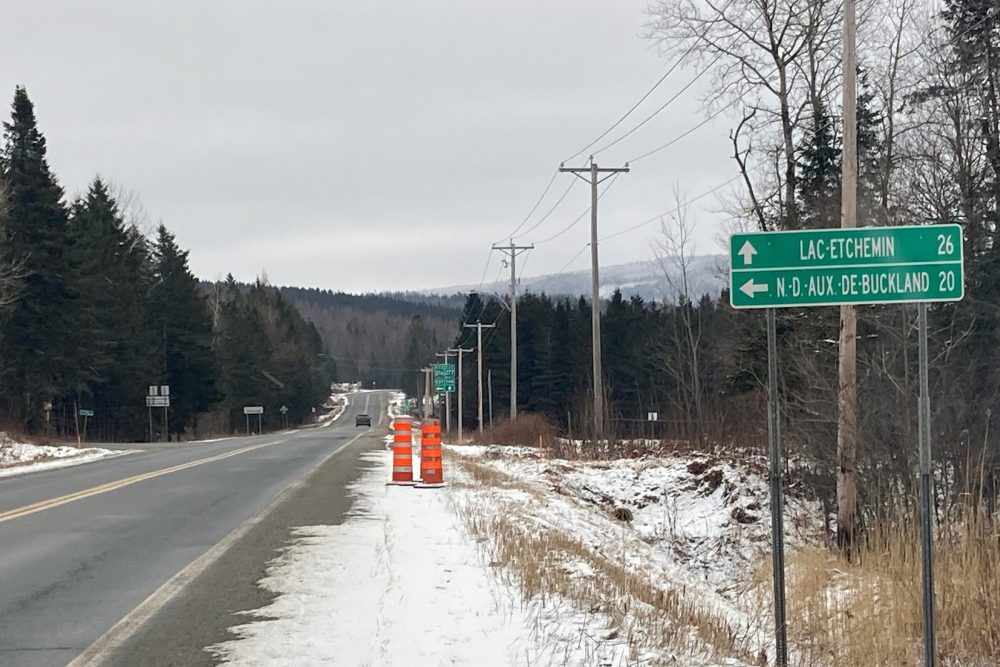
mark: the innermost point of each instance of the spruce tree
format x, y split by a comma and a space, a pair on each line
116, 356
182, 328
39, 356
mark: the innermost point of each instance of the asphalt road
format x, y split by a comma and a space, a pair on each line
85, 549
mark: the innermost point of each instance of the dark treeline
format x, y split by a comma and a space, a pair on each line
92, 313
379, 340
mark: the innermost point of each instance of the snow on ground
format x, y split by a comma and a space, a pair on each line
18, 458
398, 583
691, 526
526, 560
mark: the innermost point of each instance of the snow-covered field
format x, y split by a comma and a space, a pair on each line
525, 560
17, 458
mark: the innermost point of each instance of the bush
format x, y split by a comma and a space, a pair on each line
529, 430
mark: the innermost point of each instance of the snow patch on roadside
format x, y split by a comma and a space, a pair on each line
704, 513
398, 583
19, 458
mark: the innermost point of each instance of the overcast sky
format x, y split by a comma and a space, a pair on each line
359, 144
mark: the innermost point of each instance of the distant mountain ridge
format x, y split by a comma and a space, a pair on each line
707, 274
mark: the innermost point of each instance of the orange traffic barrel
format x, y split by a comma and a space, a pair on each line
402, 450
430, 454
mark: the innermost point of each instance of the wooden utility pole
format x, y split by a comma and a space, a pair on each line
447, 396
428, 397
512, 251
847, 386
479, 326
460, 352
593, 177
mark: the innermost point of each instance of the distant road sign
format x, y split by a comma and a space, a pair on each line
86, 413
830, 267
283, 409
157, 401
444, 377
253, 410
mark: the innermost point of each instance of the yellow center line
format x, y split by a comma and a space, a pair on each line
120, 484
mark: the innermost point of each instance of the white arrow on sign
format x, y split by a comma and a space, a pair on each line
750, 288
747, 252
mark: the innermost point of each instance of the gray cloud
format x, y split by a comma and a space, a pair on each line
343, 144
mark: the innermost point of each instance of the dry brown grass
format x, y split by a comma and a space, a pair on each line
869, 612
648, 615
529, 429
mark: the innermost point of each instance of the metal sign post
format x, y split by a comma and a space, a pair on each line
777, 491
158, 397
165, 392
924, 437
833, 267
254, 410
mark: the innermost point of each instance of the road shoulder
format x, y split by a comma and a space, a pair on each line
210, 603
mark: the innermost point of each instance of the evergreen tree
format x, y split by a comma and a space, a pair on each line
116, 356
183, 333
38, 361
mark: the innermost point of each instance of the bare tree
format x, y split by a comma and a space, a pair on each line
771, 60
681, 351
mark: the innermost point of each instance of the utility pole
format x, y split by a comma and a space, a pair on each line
512, 251
461, 352
428, 401
447, 396
479, 326
847, 386
593, 177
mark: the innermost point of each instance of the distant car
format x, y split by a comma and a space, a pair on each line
363, 420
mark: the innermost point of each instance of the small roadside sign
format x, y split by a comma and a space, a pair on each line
832, 267
157, 401
86, 413
253, 410
283, 409
444, 378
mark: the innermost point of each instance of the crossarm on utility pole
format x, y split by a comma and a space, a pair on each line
594, 179
512, 251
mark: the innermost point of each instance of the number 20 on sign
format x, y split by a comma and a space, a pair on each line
829, 267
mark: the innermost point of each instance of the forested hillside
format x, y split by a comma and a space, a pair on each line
92, 312
379, 338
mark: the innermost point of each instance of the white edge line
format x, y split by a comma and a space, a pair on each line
135, 620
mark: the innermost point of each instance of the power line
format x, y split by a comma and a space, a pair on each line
681, 136
546, 216
660, 215
677, 63
537, 203
581, 216
486, 269
664, 106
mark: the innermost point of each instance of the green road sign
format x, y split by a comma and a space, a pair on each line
830, 267
86, 413
444, 377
